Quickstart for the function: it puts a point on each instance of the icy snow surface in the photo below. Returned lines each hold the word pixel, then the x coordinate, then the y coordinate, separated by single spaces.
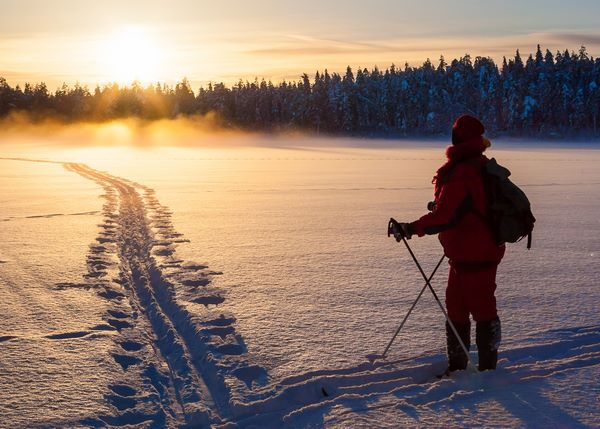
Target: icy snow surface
pixel 244 287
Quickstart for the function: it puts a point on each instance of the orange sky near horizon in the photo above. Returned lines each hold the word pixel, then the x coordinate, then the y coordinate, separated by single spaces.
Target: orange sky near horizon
pixel 96 43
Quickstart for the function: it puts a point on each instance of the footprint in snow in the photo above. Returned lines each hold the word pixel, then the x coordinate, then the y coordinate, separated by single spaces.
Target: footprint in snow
pixel 67 335
pixel 121 403
pixel 164 251
pixel 126 361
pixel 118 314
pixel 220 321
pixel 230 349
pixel 98 265
pixel 221 331
pixel 111 294
pixel 122 390
pixel 119 324
pixel 195 282
pixel 6 338
pixel 102 327
pixel 69 285
pixel 249 374
pixel 193 266
pixel 210 299
pixel 131 346
pixel 95 275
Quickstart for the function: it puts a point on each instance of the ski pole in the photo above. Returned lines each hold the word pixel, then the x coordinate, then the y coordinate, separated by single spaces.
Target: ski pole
pixel 462 344
pixel 382 356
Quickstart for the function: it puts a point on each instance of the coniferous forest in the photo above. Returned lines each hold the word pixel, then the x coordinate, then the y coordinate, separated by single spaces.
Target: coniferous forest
pixel 543 95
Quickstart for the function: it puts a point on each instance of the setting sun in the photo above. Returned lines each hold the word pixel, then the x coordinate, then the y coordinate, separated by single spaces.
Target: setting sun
pixel 132 54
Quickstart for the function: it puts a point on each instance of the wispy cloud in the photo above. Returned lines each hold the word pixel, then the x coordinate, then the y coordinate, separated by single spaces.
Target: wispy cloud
pixel 288 46
pixel 590 40
pixel 213 56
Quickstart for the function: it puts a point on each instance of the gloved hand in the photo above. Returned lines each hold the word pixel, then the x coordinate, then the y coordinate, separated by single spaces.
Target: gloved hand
pixel 404 230
pixel 400 229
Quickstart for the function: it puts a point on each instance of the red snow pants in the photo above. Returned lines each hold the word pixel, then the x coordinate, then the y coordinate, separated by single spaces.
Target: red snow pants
pixel 471 290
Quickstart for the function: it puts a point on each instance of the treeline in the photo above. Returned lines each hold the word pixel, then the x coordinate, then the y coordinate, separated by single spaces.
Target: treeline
pixel 546 94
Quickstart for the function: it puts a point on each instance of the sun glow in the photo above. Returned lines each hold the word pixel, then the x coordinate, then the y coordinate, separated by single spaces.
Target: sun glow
pixel 133 54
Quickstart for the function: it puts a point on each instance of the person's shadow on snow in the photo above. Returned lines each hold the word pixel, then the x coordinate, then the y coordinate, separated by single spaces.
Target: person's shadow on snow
pixel 529 385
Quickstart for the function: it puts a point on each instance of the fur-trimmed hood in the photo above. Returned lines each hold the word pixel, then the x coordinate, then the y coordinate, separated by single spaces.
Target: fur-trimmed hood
pixel 456 153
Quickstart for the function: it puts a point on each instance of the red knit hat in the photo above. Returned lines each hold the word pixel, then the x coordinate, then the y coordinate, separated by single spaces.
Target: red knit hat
pixel 465 128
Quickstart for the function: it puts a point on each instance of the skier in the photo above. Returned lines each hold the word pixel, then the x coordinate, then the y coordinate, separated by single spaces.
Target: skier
pixel 458 216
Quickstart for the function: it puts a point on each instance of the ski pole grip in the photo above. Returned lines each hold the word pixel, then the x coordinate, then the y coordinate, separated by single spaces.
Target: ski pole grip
pixel 392 226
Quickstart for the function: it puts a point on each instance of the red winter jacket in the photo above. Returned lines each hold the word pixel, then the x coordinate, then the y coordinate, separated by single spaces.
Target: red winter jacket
pixel 461 203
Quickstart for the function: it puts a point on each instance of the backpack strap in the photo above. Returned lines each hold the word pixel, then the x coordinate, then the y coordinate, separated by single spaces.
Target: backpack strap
pixel 466 206
pixel 480 215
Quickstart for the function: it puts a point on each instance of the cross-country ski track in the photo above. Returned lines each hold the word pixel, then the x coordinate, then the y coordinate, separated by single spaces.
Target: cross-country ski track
pixel 184 365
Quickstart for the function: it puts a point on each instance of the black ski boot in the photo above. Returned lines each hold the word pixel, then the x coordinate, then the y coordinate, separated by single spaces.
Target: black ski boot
pixel 457 360
pixel 488 336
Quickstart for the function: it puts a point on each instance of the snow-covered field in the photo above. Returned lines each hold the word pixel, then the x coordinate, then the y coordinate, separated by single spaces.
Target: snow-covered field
pixel 244 286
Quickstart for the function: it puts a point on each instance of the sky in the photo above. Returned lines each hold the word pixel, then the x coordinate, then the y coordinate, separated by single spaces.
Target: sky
pixel 95 42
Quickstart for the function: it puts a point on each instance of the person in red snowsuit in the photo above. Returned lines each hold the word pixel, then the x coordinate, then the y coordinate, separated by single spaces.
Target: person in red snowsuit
pixel 459 219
